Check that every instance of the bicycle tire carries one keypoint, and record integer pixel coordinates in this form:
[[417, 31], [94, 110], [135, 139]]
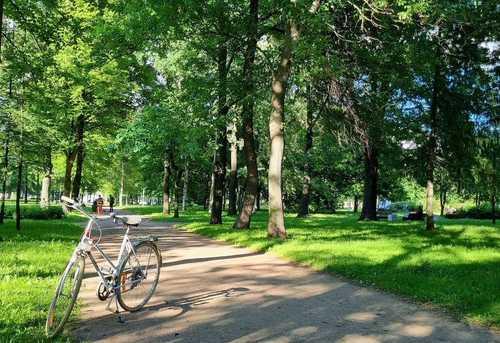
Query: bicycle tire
[[53, 326], [131, 276]]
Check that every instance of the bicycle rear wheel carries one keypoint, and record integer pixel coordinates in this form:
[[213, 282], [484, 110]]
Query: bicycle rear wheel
[[138, 276], [65, 297]]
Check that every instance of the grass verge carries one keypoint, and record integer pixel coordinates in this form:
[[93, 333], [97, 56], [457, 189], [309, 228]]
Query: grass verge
[[31, 262], [457, 268]]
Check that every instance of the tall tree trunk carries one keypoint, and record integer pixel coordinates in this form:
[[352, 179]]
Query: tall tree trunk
[[70, 160], [177, 190], [370, 187], [47, 179], [233, 178], [1, 28], [442, 199], [77, 179], [18, 193], [494, 178], [211, 190], [221, 153], [356, 203], [26, 188], [276, 223], [185, 187], [4, 177], [252, 179], [80, 155], [122, 183], [306, 183], [167, 170], [431, 153]]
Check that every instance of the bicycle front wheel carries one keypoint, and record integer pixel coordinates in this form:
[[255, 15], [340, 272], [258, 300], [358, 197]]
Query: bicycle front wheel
[[138, 276], [65, 298]]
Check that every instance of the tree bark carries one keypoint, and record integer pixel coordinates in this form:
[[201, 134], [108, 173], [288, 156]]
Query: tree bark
[[306, 183], [356, 203], [221, 152], [80, 155], [47, 179], [185, 187], [442, 199], [167, 171], [122, 183], [18, 193], [70, 160], [26, 188], [276, 223], [1, 28], [4, 177], [431, 152], [233, 178], [252, 179], [177, 190], [370, 187]]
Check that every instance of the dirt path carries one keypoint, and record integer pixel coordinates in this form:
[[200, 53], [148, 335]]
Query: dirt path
[[213, 292]]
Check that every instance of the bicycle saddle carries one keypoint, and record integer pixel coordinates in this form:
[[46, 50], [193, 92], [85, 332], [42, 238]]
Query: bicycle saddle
[[127, 220]]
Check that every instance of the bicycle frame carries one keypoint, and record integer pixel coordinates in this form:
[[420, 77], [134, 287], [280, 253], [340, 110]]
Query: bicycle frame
[[87, 244]]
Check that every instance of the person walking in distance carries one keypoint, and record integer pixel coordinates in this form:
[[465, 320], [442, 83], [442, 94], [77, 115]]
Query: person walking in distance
[[100, 205], [111, 203]]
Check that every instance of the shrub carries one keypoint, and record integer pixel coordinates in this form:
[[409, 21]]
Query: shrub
[[35, 212], [475, 212]]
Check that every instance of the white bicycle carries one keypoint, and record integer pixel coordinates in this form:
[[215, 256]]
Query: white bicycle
[[131, 280]]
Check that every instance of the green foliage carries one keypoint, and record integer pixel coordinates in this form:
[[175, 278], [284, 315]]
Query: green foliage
[[35, 212], [28, 278], [475, 212], [455, 269]]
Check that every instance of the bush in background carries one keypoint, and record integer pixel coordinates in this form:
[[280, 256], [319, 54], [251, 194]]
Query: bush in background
[[475, 212], [35, 212]]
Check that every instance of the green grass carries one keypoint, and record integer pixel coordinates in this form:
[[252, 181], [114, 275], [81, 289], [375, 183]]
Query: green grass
[[155, 211], [31, 262], [457, 268]]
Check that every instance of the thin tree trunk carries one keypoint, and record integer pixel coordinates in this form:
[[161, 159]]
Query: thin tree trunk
[[211, 190], [221, 152], [26, 190], [370, 187], [77, 179], [306, 183], [47, 179], [276, 223], [122, 183], [252, 179], [80, 155], [442, 199], [185, 187], [494, 183], [177, 191], [4, 177], [1, 28], [166, 184], [356, 203], [70, 160], [431, 153], [18, 193], [233, 179]]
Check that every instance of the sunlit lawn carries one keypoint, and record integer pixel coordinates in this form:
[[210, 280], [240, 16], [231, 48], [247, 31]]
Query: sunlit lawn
[[457, 268], [31, 263]]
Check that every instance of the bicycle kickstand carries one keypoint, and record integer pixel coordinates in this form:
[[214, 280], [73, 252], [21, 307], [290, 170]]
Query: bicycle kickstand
[[117, 308]]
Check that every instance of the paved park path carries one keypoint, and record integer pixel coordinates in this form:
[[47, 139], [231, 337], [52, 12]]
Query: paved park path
[[213, 292]]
